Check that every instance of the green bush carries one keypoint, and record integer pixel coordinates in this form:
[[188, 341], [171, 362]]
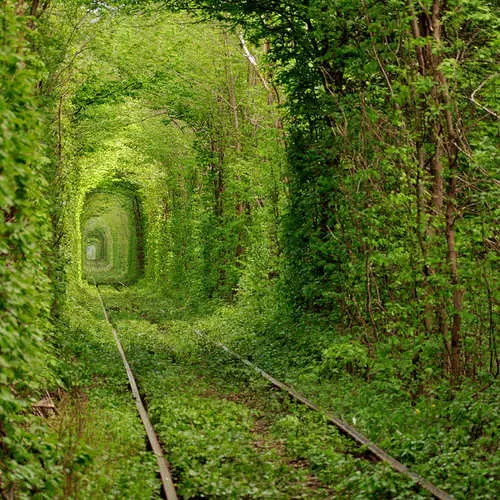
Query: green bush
[[24, 253], [346, 357]]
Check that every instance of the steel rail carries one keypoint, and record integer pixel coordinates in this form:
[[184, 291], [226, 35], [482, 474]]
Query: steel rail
[[344, 427], [165, 476]]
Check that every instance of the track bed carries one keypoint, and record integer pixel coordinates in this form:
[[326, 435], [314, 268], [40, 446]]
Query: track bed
[[228, 434]]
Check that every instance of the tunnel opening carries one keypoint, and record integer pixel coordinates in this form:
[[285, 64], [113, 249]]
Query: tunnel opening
[[111, 224]]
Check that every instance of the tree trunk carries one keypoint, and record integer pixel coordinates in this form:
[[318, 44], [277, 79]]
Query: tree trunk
[[443, 172]]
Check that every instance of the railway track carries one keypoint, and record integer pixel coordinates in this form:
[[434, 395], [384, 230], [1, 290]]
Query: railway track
[[346, 429], [164, 471]]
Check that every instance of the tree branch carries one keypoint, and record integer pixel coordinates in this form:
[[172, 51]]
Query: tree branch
[[472, 97], [253, 62]]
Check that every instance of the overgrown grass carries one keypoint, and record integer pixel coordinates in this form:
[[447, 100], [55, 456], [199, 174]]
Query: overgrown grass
[[447, 435], [102, 447], [228, 434]]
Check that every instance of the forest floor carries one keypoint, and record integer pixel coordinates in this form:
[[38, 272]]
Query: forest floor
[[225, 431]]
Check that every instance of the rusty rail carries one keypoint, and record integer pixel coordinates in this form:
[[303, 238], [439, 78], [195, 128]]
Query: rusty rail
[[344, 427], [165, 476]]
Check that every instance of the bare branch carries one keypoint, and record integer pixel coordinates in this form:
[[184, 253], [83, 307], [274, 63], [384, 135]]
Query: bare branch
[[253, 62], [473, 99]]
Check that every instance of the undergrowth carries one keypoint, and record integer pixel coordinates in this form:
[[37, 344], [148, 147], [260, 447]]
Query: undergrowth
[[102, 446], [446, 434], [227, 433]]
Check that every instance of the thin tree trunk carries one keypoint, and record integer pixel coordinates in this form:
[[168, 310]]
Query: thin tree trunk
[[60, 131], [449, 143], [232, 94]]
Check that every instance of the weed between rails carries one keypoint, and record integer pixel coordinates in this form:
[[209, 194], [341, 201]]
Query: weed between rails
[[227, 434]]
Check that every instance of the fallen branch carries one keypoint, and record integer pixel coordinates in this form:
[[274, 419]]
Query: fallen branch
[[45, 406]]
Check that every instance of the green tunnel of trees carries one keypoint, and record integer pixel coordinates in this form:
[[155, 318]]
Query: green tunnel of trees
[[326, 170], [111, 231]]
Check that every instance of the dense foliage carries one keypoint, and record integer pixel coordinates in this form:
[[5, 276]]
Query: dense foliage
[[393, 129], [24, 237], [198, 138], [315, 182]]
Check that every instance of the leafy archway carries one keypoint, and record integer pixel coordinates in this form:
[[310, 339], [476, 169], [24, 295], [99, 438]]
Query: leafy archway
[[111, 231]]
